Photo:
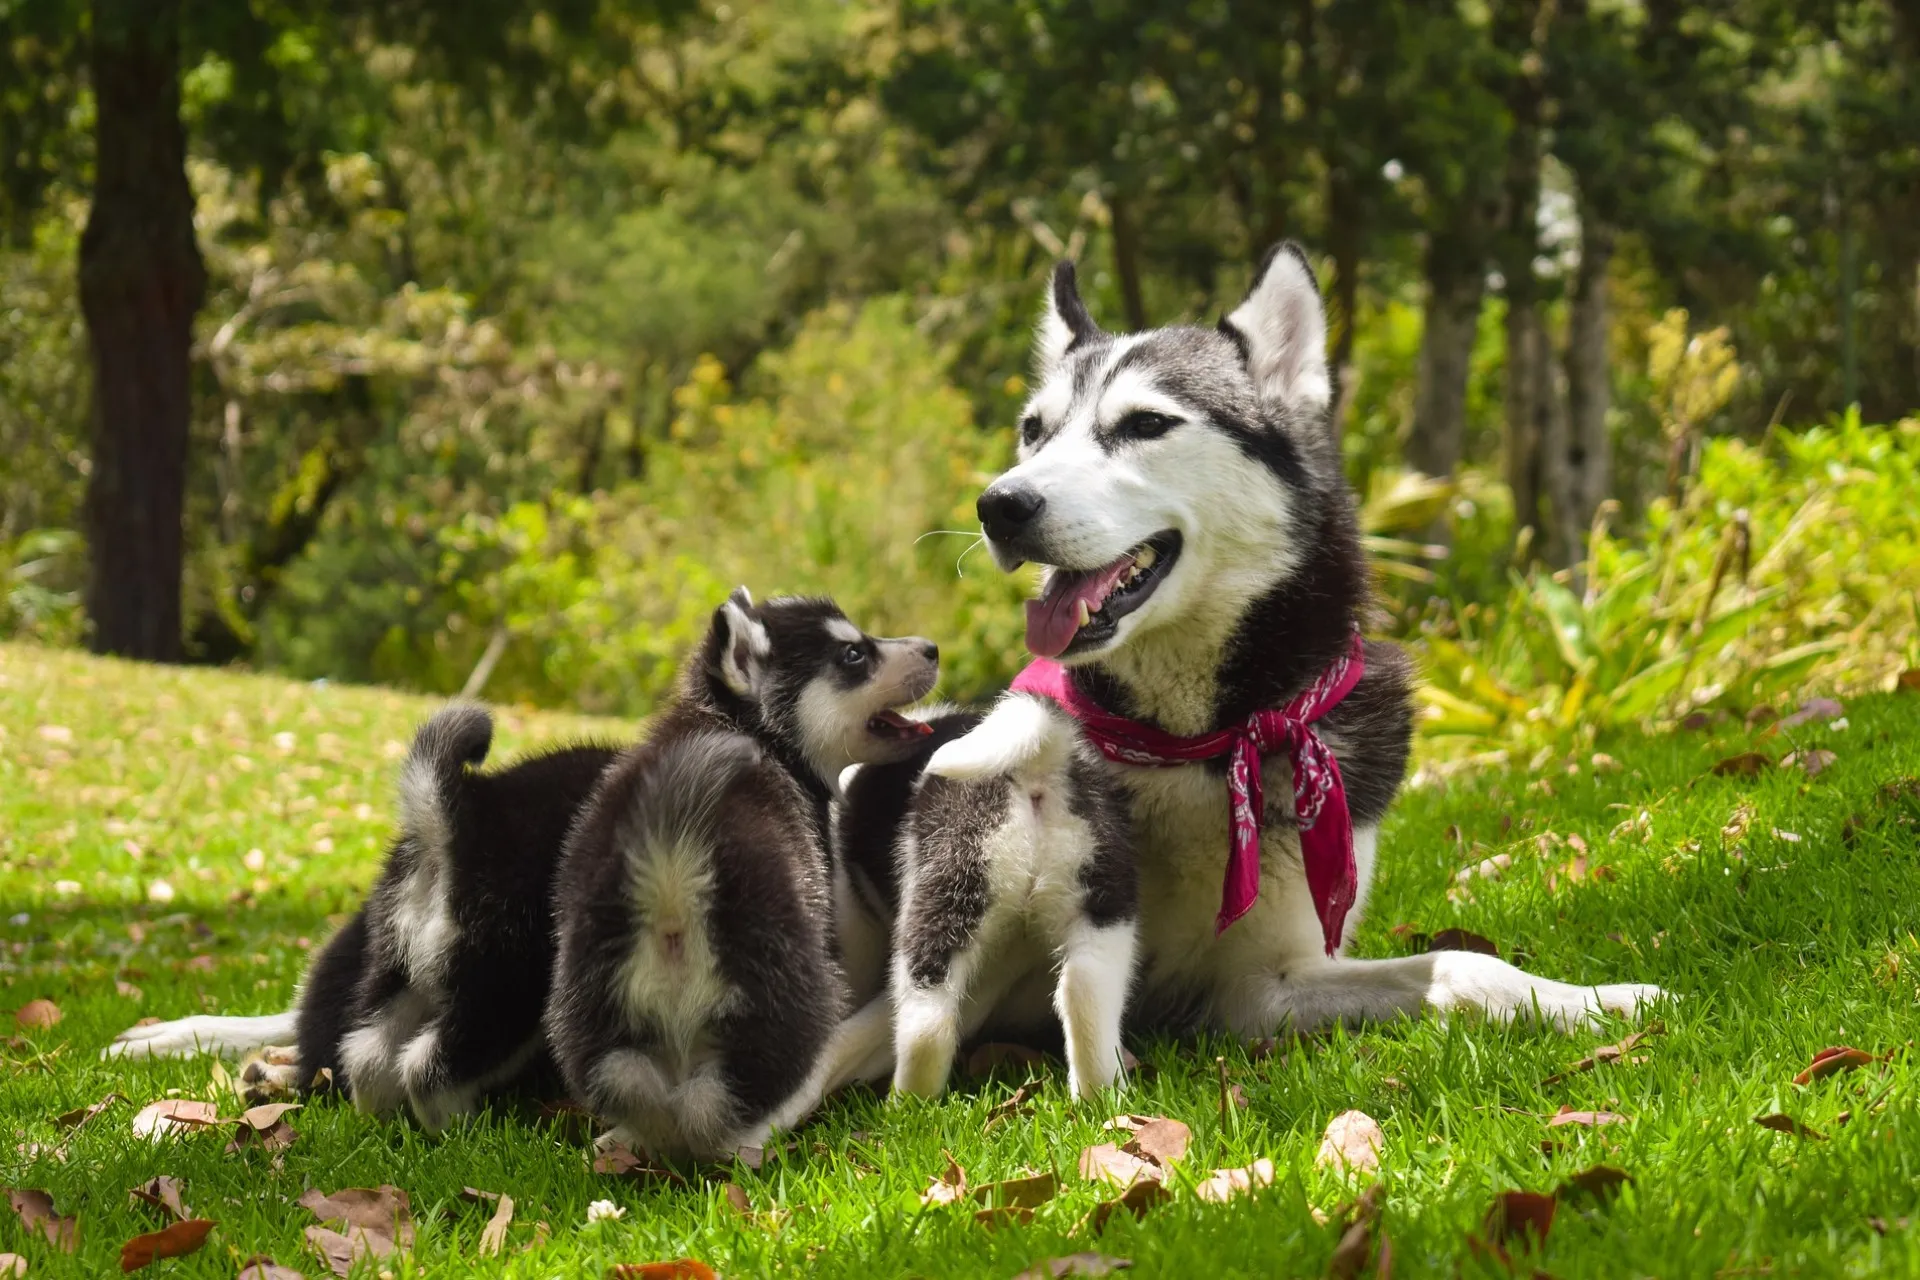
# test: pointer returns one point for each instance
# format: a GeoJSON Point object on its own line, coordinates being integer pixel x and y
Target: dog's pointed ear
{"type": "Point", "coordinates": [741, 640]}
{"type": "Point", "coordinates": [1282, 328]}
{"type": "Point", "coordinates": [1064, 322]}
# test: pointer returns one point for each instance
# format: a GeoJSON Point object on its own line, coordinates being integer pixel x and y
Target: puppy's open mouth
{"type": "Point", "coordinates": [891, 726]}
{"type": "Point", "coordinates": [1080, 609]}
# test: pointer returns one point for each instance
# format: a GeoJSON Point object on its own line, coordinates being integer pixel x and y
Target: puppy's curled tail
{"type": "Point", "coordinates": [1024, 735]}
{"type": "Point", "coordinates": [458, 735]}
{"type": "Point", "coordinates": [675, 801]}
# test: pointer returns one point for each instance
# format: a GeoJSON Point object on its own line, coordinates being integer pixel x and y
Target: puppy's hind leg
{"type": "Point", "coordinates": [926, 1033]}
{"type": "Point", "coordinates": [1096, 971]}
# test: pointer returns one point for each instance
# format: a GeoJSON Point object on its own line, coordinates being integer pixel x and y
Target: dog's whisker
{"type": "Point", "coordinates": [972, 547]}
{"type": "Point", "coordinates": [955, 533]}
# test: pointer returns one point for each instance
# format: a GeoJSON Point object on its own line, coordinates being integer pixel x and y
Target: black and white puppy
{"type": "Point", "coordinates": [432, 995]}
{"type": "Point", "coordinates": [1013, 876]}
{"type": "Point", "coordinates": [698, 977]}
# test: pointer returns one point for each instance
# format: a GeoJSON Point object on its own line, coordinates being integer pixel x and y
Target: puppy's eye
{"type": "Point", "coordinates": [852, 656]}
{"type": "Point", "coordinates": [1030, 428]}
{"type": "Point", "coordinates": [1144, 424]}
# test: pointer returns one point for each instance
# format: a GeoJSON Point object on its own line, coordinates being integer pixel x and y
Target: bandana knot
{"type": "Point", "coordinates": [1319, 795]}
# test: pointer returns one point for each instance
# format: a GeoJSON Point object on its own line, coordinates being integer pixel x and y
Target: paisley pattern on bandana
{"type": "Point", "coordinates": [1326, 847]}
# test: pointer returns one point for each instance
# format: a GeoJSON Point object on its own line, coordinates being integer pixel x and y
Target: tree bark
{"type": "Point", "coordinates": [1126, 263]}
{"type": "Point", "coordinates": [1345, 236]}
{"type": "Point", "coordinates": [1456, 282]}
{"type": "Point", "coordinates": [1522, 33]}
{"type": "Point", "coordinates": [1580, 467]}
{"type": "Point", "coordinates": [141, 281]}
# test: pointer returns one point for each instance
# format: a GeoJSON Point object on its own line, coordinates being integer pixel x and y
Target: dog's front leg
{"type": "Point", "coordinates": [1096, 970]}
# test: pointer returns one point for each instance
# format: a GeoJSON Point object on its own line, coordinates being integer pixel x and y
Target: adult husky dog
{"type": "Point", "coordinates": [1183, 487]}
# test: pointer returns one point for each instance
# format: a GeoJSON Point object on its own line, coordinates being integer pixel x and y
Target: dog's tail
{"type": "Point", "coordinates": [457, 736]}
{"type": "Point", "coordinates": [1024, 735]}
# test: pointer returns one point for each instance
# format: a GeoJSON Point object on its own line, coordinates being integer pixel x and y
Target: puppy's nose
{"type": "Point", "coordinates": [1007, 509]}
{"type": "Point", "coordinates": [929, 650]}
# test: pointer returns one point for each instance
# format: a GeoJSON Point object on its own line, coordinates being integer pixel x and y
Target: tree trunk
{"type": "Point", "coordinates": [1580, 469]}
{"type": "Point", "coordinates": [1456, 281]}
{"type": "Point", "coordinates": [1521, 31]}
{"type": "Point", "coordinates": [1126, 263]}
{"type": "Point", "coordinates": [1344, 235]}
{"type": "Point", "coordinates": [141, 282]}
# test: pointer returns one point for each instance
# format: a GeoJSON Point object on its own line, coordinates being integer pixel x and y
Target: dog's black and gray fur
{"type": "Point", "coordinates": [697, 977]}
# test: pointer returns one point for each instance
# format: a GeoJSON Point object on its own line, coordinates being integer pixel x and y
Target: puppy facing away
{"type": "Point", "coordinates": [1013, 872]}
{"type": "Point", "coordinates": [697, 977]}
{"type": "Point", "coordinates": [433, 993]}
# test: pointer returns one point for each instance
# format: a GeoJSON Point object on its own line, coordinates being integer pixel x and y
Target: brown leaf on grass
{"type": "Point", "coordinates": [378, 1220]}
{"type": "Point", "coordinates": [1137, 1199]}
{"type": "Point", "coordinates": [1461, 940]}
{"type": "Point", "coordinates": [262, 1267]}
{"type": "Point", "coordinates": [173, 1241]}
{"type": "Point", "coordinates": [1362, 1220]}
{"type": "Point", "coordinates": [1225, 1184]}
{"type": "Point", "coordinates": [1029, 1192]}
{"type": "Point", "coordinates": [1017, 1105]}
{"type": "Point", "coordinates": [1832, 1060]}
{"type": "Point", "coordinates": [1004, 1215]}
{"type": "Point", "coordinates": [992, 1057]}
{"type": "Point", "coordinates": [12, 1264]}
{"type": "Point", "coordinates": [949, 1186]}
{"type": "Point", "coordinates": [80, 1115]}
{"type": "Point", "coordinates": [1584, 1119]}
{"type": "Point", "coordinates": [37, 1015]}
{"type": "Point", "coordinates": [1748, 764]}
{"type": "Point", "coordinates": [172, 1116]}
{"type": "Point", "coordinates": [1600, 1183]}
{"type": "Point", "coordinates": [162, 1193]}
{"type": "Point", "coordinates": [1813, 709]}
{"type": "Point", "coordinates": [39, 1217]}
{"type": "Point", "coordinates": [1609, 1052]}
{"type": "Point", "coordinates": [339, 1252]}
{"type": "Point", "coordinates": [264, 1126]}
{"type": "Point", "coordinates": [1781, 1123]}
{"type": "Point", "coordinates": [736, 1197]}
{"type": "Point", "coordinates": [1909, 679]}
{"type": "Point", "coordinates": [1812, 763]}
{"type": "Point", "coordinates": [1518, 1213]}
{"type": "Point", "coordinates": [1074, 1264]}
{"type": "Point", "coordinates": [1105, 1162]}
{"type": "Point", "coordinates": [493, 1237]}
{"type": "Point", "coordinates": [678, 1269]}
{"type": "Point", "coordinates": [1160, 1140]}
{"type": "Point", "coordinates": [752, 1157]}
{"type": "Point", "coordinates": [619, 1161]}
{"type": "Point", "coordinates": [1352, 1142]}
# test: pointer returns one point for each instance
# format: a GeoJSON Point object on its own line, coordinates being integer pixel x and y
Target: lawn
{"type": "Point", "coordinates": [176, 841]}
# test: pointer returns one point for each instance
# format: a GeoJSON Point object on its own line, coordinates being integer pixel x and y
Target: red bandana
{"type": "Point", "coordinates": [1325, 847]}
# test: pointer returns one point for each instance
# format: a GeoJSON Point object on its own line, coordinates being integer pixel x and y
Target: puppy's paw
{"type": "Point", "coordinates": [271, 1075]}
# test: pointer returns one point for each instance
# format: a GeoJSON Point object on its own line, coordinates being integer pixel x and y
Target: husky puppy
{"type": "Point", "coordinates": [1183, 487]}
{"type": "Point", "coordinates": [432, 994]}
{"type": "Point", "coordinates": [697, 977]}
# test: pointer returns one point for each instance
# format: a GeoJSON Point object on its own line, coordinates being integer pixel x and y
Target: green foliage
{"type": "Point", "coordinates": [1789, 566]}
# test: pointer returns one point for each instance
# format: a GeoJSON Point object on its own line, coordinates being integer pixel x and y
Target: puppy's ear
{"type": "Point", "coordinates": [1282, 327]}
{"type": "Point", "coordinates": [743, 642]}
{"type": "Point", "coordinates": [1064, 322]}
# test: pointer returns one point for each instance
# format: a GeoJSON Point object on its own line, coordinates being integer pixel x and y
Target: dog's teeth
{"type": "Point", "coordinates": [1086, 614]}
{"type": "Point", "coordinates": [1144, 561]}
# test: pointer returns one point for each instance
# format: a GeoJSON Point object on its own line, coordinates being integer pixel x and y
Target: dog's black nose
{"type": "Point", "coordinates": [1006, 509]}
{"type": "Point", "coordinates": [930, 651]}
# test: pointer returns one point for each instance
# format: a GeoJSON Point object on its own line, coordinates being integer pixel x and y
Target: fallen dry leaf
{"type": "Point", "coordinates": [1609, 1052]}
{"type": "Point", "coordinates": [992, 1057]}
{"type": "Point", "coordinates": [1029, 1192]}
{"type": "Point", "coordinates": [264, 1126]}
{"type": "Point", "coordinates": [1601, 1183]}
{"type": "Point", "coordinates": [340, 1253]}
{"type": "Point", "coordinates": [1814, 709]}
{"type": "Point", "coordinates": [678, 1269]}
{"type": "Point", "coordinates": [1225, 1184]}
{"type": "Point", "coordinates": [37, 1015]}
{"type": "Point", "coordinates": [1833, 1060]}
{"type": "Point", "coordinates": [949, 1186]}
{"type": "Point", "coordinates": [620, 1161]}
{"type": "Point", "coordinates": [39, 1217]}
{"type": "Point", "coordinates": [1074, 1264]}
{"type": "Point", "coordinates": [1585, 1119]}
{"type": "Point", "coordinates": [1352, 1142]}
{"type": "Point", "coordinates": [1461, 940]}
{"type": "Point", "coordinates": [736, 1196]}
{"type": "Point", "coordinates": [752, 1157]}
{"type": "Point", "coordinates": [1910, 678]}
{"type": "Point", "coordinates": [1017, 1105]}
{"type": "Point", "coordinates": [80, 1115]}
{"type": "Point", "coordinates": [1136, 1199]}
{"type": "Point", "coordinates": [378, 1221]}
{"type": "Point", "coordinates": [1108, 1163]}
{"type": "Point", "coordinates": [173, 1116]}
{"type": "Point", "coordinates": [1350, 1255]}
{"type": "Point", "coordinates": [262, 1267]}
{"type": "Point", "coordinates": [162, 1192]}
{"type": "Point", "coordinates": [493, 1238]}
{"type": "Point", "coordinates": [1812, 763]}
{"type": "Point", "coordinates": [1160, 1140]}
{"type": "Point", "coordinates": [12, 1264]}
{"type": "Point", "coordinates": [1518, 1213]}
{"type": "Point", "coordinates": [1005, 1215]}
{"type": "Point", "coordinates": [1748, 764]}
{"type": "Point", "coordinates": [173, 1241]}
{"type": "Point", "coordinates": [1781, 1123]}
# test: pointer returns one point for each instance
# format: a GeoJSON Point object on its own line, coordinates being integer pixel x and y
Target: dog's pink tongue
{"type": "Point", "coordinates": [1054, 619]}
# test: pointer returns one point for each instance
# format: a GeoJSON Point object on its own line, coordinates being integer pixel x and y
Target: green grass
{"type": "Point", "coordinates": [1793, 946]}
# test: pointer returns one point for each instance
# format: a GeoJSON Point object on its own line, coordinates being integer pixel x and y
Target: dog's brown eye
{"type": "Point", "coordinates": [853, 655]}
{"type": "Point", "coordinates": [1030, 428]}
{"type": "Point", "coordinates": [1145, 424]}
